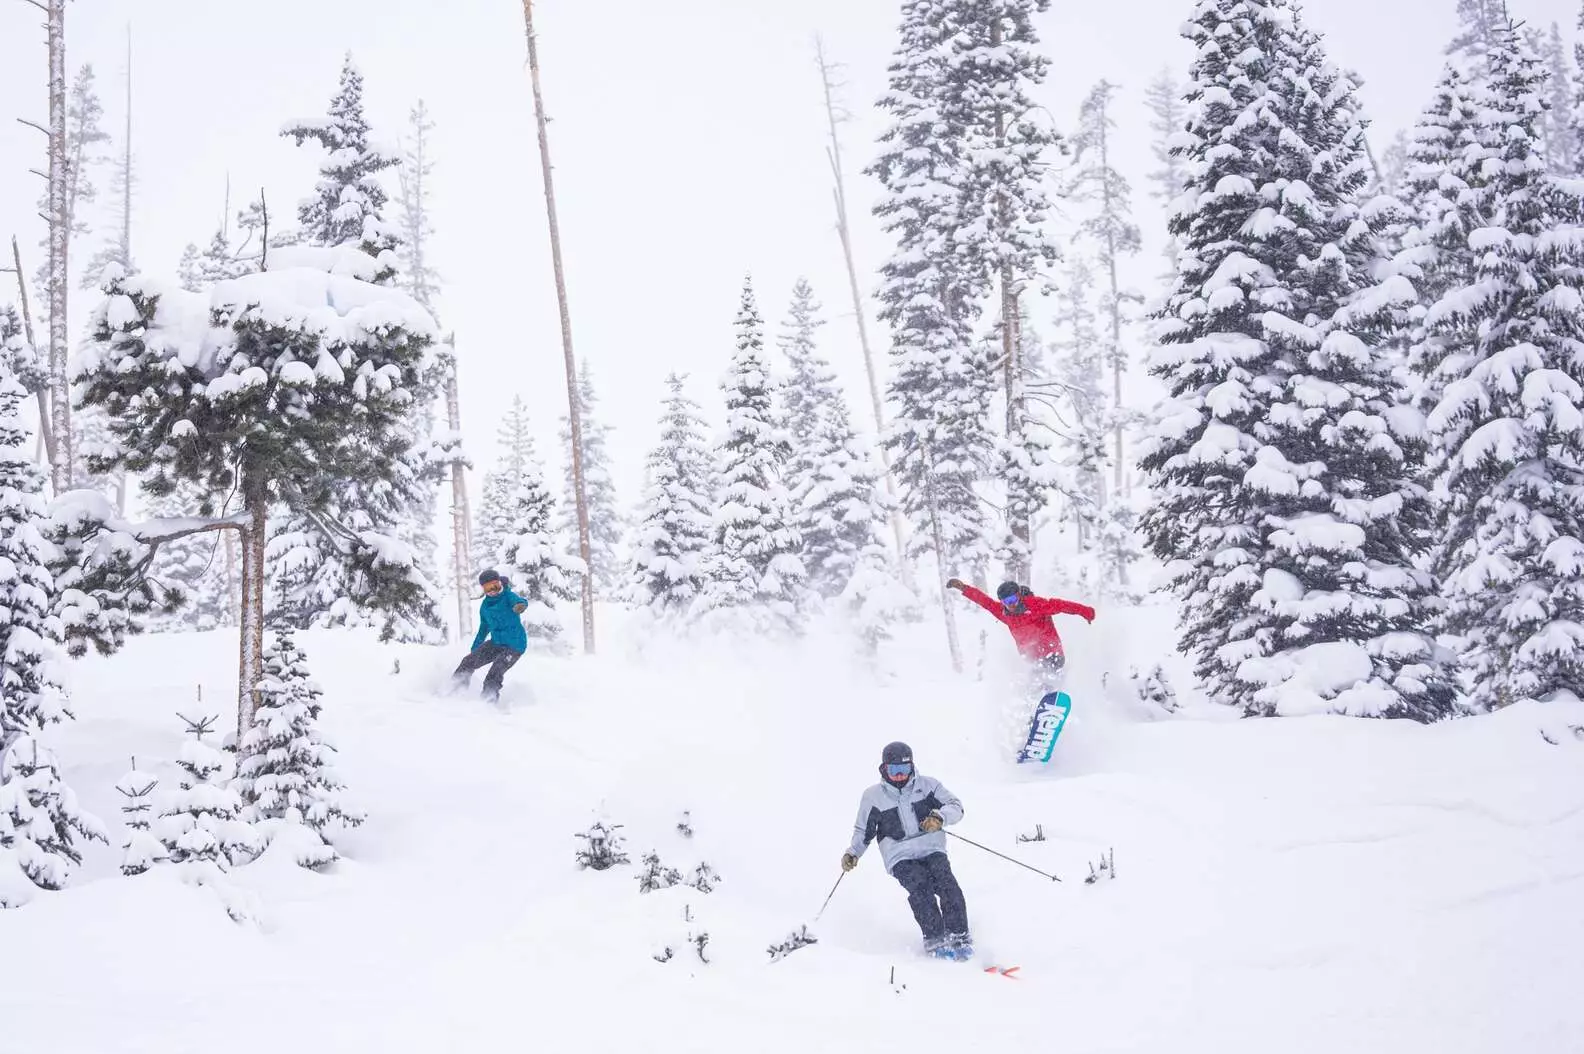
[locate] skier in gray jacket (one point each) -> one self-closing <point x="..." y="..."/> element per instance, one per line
<point x="906" y="811"/>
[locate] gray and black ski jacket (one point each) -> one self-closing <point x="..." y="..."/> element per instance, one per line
<point x="893" y="816"/>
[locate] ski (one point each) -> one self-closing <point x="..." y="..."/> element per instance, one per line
<point x="1050" y="716"/>
<point x="1004" y="971"/>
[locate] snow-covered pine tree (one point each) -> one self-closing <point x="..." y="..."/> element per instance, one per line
<point x="493" y="525"/>
<point x="201" y="822"/>
<point x="676" y="531"/>
<point x="19" y="359"/>
<point x="599" y="490"/>
<point x="348" y="202"/>
<point x="40" y="821"/>
<point x="1559" y="138"/>
<point x="418" y="274"/>
<point x="1285" y="499"/>
<point x="142" y="850"/>
<point x="533" y="557"/>
<point x="1076" y="395"/>
<point x="1168" y="118"/>
<point x="285" y="780"/>
<point x="1394" y="166"/>
<point x="993" y="73"/>
<point x="940" y="438"/>
<point x="1110" y="228"/>
<point x="1504" y="345"/>
<point x="755" y="570"/>
<point x="117" y="245"/>
<point x="1480" y="24"/>
<point x="809" y="386"/>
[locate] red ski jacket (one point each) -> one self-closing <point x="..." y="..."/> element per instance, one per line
<point x="1032" y="628"/>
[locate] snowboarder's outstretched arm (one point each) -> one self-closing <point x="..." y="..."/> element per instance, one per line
<point x="984" y="600"/>
<point x="518" y="604"/>
<point x="1053" y="606"/>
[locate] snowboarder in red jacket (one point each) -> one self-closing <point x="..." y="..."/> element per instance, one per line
<point x="1029" y="619"/>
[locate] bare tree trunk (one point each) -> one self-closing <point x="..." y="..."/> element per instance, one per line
<point x="233" y="592"/>
<point x="61" y="466"/>
<point x="251" y="621"/>
<point x="574" y="408"/>
<point x="833" y="154"/>
<point x="1117" y="361"/>
<point x="46" y="433"/>
<point x="461" y="542"/>
<point x="954" y="646"/>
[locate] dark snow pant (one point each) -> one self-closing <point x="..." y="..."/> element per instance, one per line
<point x="499" y="659"/>
<point x="926" y="881"/>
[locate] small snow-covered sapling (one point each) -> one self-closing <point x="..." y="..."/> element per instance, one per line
<point x="142" y="850"/>
<point x="656" y="875"/>
<point x="1037" y="836"/>
<point x="704" y="878"/>
<point x="685" y="826"/>
<point x="800" y="938"/>
<point x="700" y="941"/>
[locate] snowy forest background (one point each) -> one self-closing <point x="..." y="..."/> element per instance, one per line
<point x="1334" y="419"/>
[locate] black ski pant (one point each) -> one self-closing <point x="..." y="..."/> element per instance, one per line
<point x="927" y="881"/>
<point x="497" y="657"/>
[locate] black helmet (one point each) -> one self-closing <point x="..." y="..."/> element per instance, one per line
<point x="897" y="754"/>
<point x="486" y="577"/>
<point x="1007" y="590"/>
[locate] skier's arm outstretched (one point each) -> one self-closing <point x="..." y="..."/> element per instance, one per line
<point x="984" y="600"/>
<point x="1054" y="606"/>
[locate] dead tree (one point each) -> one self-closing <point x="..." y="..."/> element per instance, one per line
<point x="834" y="116"/>
<point x="46" y="433"/>
<point x="574" y="413"/>
<point x="461" y="517"/>
<point x="59" y="219"/>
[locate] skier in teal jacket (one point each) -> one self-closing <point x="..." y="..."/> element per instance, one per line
<point x="501" y="638"/>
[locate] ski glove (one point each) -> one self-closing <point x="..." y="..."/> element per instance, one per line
<point x="955" y="583"/>
<point x="519" y="608"/>
<point x="849" y="862"/>
<point x="932" y="823"/>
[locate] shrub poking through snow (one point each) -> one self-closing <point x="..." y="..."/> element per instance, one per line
<point x="705" y="878"/>
<point x="1153" y="688"/>
<point x="602" y="848"/>
<point x="142" y="850"/>
<point x="1104" y="868"/>
<point x="799" y="938"/>
<point x="285" y="777"/>
<point x="657" y="875"/>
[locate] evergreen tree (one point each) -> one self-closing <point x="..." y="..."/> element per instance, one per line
<point x="1481" y="23"/>
<point x="285" y="779"/>
<point x="142" y="850"/>
<point x="993" y="71"/>
<point x="930" y="295"/>
<point x="40" y="821"/>
<point x="1394" y="166"/>
<point x="202" y="822"/>
<point x="1284" y="492"/>
<point x="1559" y="134"/>
<point x="194" y="572"/>
<point x="348" y="203"/>
<point x="1504" y="346"/>
<point x="676" y="529"/>
<point x="418" y="274"/>
<point x="1079" y="379"/>
<point x="599" y="490"/>
<point x="844" y="510"/>
<point x="541" y="572"/>
<point x="1168" y="119"/>
<point x="493" y="525"/>
<point x="18" y="358"/>
<point x="1111" y="229"/>
<point x="755" y="565"/>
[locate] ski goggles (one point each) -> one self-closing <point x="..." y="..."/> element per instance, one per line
<point x="493" y="587"/>
<point x="1011" y="601"/>
<point x="904" y="769"/>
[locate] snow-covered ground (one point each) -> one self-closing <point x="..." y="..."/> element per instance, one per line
<point x="1310" y="884"/>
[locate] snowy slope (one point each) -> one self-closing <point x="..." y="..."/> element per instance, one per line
<point x="1316" y="884"/>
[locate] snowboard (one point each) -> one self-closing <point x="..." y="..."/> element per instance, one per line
<point x="1050" y="716"/>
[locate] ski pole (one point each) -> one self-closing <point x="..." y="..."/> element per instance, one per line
<point x="1003" y="856"/>
<point x="828" y="896"/>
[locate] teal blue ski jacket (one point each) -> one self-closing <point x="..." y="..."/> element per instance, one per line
<point x="500" y="620"/>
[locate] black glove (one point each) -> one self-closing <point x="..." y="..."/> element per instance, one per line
<point x="848" y="862"/>
<point x="932" y="823"/>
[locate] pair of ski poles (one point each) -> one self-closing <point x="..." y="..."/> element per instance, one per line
<point x="960" y="838"/>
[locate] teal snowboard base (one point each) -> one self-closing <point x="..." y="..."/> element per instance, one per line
<point x="1050" y="716"/>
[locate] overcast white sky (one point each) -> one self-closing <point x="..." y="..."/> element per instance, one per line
<point x="688" y="138"/>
